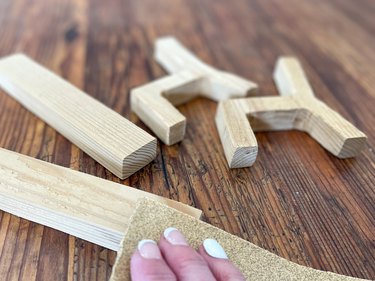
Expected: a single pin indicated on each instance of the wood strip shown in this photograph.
(79, 204)
(152, 218)
(110, 139)
(297, 108)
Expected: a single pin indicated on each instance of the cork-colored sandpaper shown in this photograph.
(151, 218)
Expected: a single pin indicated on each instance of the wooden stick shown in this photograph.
(297, 108)
(151, 219)
(154, 103)
(110, 139)
(79, 204)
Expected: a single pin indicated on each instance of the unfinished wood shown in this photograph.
(106, 136)
(152, 218)
(218, 85)
(297, 109)
(155, 102)
(79, 204)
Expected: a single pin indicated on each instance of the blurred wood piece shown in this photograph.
(79, 204)
(105, 135)
(155, 102)
(297, 109)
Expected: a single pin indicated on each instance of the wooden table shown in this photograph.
(297, 201)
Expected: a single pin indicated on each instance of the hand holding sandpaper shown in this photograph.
(173, 259)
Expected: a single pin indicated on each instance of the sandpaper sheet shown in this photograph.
(151, 218)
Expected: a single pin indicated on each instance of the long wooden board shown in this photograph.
(105, 135)
(82, 205)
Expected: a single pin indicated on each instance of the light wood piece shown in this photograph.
(79, 204)
(297, 108)
(151, 218)
(105, 135)
(155, 102)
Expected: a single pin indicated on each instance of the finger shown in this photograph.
(147, 264)
(218, 262)
(185, 262)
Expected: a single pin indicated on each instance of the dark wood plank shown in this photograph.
(297, 201)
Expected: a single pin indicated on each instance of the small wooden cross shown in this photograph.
(155, 102)
(297, 108)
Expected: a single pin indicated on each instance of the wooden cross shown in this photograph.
(155, 102)
(297, 108)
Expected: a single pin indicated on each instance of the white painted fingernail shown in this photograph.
(149, 249)
(214, 249)
(175, 237)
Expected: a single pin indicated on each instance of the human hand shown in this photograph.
(173, 259)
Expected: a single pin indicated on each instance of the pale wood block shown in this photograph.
(105, 135)
(297, 108)
(79, 204)
(152, 218)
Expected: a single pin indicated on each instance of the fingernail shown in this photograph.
(175, 237)
(149, 249)
(214, 249)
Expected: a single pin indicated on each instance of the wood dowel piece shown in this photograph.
(152, 218)
(79, 204)
(109, 138)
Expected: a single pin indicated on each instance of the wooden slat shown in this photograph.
(82, 205)
(110, 139)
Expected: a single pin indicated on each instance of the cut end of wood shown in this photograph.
(139, 159)
(176, 133)
(352, 147)
(243, 157)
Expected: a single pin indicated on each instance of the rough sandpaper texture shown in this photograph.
(151, 218)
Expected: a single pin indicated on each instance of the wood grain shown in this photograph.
(154, 103)
(110, 139)
(297, 200)
(76, 203)
(297, 108)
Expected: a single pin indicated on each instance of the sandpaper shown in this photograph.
(152, 218)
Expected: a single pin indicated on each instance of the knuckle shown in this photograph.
(195, 263)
